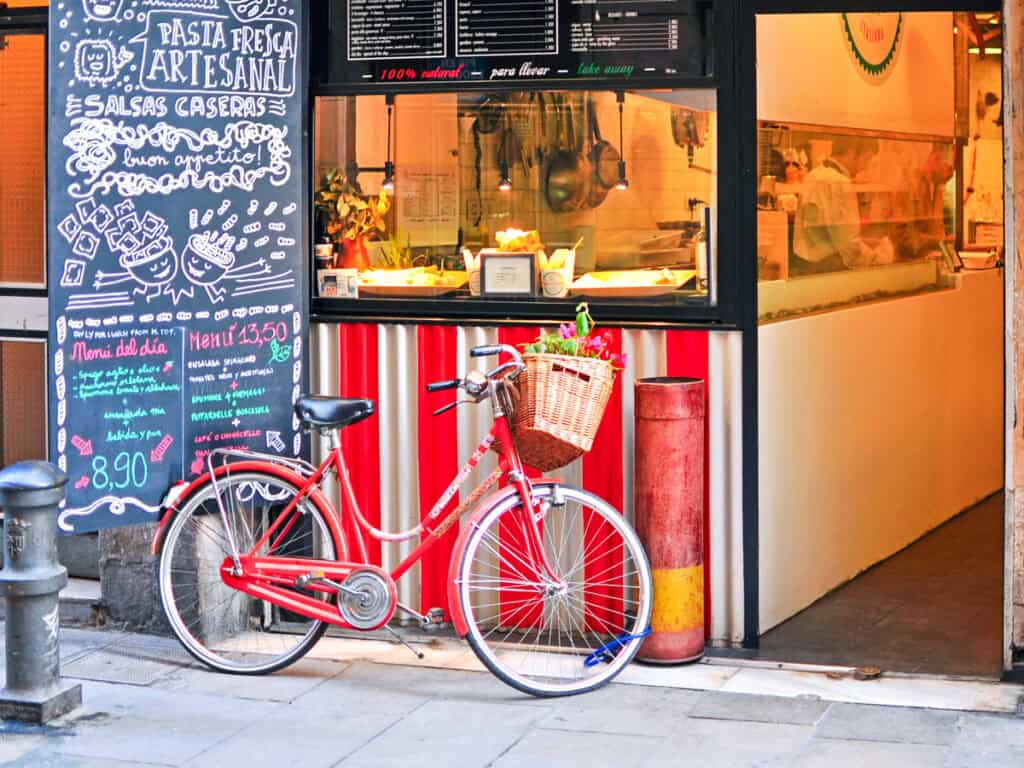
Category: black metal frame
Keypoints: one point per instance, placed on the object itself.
(26, 21)
(724, 315)
(746, 195)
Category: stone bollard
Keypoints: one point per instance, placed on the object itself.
(31, 580)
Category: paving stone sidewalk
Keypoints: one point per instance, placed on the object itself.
(147, 704)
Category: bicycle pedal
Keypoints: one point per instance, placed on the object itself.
(434, 618)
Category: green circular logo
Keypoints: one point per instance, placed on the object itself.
(873, 40)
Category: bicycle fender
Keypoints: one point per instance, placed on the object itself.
(180, 493)
(468, 526)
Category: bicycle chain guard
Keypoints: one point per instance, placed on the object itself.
(376, 599)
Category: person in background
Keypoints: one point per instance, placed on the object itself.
(827, 228)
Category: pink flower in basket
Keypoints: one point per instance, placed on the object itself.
(578, 340)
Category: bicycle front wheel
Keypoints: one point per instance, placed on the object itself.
(562, 636)
(225, 629)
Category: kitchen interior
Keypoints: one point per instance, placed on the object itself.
(522, 195)
(880, 264)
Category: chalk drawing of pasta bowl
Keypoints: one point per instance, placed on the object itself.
(153, 264)
(207, 260)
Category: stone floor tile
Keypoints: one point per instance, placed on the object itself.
(831, 753)
(626, 709)
(106, 701)
(721, 705)
(115, 668)
(364, 679)
(295, 738)
(729, 744)
(131, 738)
(47, 758)
(285, 685)
(988, 741)
(462, 733)
(900, 724)
(562, 749)
(977, 729)
(14, 744)
(988, 756)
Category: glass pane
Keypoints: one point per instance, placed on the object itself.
(23, 403)
(870, 188)
(983, 152)
(606, 191)
(22, 159)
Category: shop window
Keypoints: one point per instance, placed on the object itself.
(878, 186)
(540, 196)
(23, 158)
(23, 401)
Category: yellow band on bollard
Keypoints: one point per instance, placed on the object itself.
(678, 599)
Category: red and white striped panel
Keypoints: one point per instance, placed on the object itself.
(402, 459)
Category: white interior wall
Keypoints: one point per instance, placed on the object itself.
(876, 424)
(806, 75)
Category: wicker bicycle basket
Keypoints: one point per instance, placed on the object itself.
(561, 401)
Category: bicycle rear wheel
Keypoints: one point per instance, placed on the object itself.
(225, 629)
(550, 639)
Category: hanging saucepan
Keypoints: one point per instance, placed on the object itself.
(567, 179)
(604, 161)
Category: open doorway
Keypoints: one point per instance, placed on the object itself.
(880, 363)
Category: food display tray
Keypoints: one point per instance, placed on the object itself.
(453, 282)
(630, 283)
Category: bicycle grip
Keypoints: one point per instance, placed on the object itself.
(438, 386)
(487, 351)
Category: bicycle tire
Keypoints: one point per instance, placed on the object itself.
(609, 650)
(196, 624)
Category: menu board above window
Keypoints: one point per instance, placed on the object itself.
(423, 43)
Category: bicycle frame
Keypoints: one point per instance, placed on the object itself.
(271, 577)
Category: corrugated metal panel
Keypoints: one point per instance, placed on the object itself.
(397, 424)
(646, 351)
(399, 473)
(725, 464)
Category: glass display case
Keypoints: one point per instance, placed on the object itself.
(538, 196)
(845, 215)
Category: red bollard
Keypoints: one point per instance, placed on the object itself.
(669, 493)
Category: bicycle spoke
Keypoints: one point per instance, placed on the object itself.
(544, 641)
(228, 629)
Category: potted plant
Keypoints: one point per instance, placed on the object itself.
(349, 217)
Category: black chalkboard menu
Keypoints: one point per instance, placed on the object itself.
(427, 43)
(176, 270)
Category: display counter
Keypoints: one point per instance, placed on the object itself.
(877, 423)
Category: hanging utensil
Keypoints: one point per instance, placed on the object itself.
(567, 179)
(490, 114)
(604, 161)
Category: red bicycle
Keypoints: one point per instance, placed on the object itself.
(549, 584)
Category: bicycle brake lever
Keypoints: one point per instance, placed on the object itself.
(444, 408)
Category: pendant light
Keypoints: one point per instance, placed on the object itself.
(623, 183)
(505, 184)
(389, 167)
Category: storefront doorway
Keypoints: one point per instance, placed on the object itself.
(880, 341)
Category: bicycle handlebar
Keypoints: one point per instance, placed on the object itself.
(438, 386)
(497, 349)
